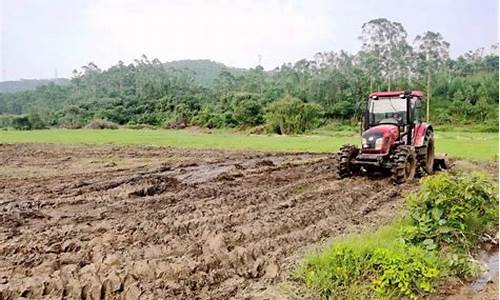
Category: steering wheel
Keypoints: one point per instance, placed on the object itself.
(397, 116)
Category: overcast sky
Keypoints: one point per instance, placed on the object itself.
(39, 36)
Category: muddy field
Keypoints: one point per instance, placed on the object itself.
(105, 222)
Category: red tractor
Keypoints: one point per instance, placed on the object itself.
(394, 139)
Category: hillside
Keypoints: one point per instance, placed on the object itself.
(204, 71)
(27, 84)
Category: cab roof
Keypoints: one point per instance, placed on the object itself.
(419, 94)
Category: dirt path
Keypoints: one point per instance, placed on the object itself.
(104, 222)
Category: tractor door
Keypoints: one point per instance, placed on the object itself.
(366, 116)
(416, 111)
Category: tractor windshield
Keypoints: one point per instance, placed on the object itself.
(387, 110)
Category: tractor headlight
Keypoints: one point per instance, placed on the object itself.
(379, 143)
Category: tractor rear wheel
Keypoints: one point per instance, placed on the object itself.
(404, 164)
(428, 163)
(344, 167)
(425, 164)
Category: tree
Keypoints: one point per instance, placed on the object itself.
(386, 42)
(432, 53)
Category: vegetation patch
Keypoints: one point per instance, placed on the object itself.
(457, 145)
(432, 243)
(101, 124)
(290, 116)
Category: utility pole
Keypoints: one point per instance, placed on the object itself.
(428, 95)
(260, 65)
(427, 111)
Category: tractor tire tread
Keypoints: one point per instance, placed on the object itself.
(401, 157)
(343, 159)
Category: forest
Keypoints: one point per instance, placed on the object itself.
(293, 98)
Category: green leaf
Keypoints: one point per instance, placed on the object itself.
(436, 213)
(429, 244)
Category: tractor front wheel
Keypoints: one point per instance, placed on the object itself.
(344, 167)
(404, 164)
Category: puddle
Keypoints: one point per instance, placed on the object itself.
(490, 260)
(207, 172)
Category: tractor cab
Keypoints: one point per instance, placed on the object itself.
(401, 109)
(392, 110)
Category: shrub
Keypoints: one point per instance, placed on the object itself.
(291, 116)
(21, 122)
(247, 110)
(452, 209)
(36, 119)
(101, 124)
(180, 118)
(140, 126)
(72, 118)
(6, 121)
(209, 117)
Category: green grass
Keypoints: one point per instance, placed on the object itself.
(429, 245)
(481, 146)
(179, 138)
(468, 145)
(364, 266)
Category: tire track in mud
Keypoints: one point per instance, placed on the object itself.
(190, 224)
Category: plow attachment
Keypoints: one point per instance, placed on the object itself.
(441, 162)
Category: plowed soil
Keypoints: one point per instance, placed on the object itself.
(105, 222)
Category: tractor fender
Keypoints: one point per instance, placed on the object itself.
(419, 133)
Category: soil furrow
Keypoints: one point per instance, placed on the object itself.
(108, 222)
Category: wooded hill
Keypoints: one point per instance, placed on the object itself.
(291, 98)
(204, 72)
(28, 84)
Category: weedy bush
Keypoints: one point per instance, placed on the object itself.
(371, 265)
(21, 122)
(141, 126)
(101, 124)
(6, 121)
(407, 259)
(452, 210)
(292, 116)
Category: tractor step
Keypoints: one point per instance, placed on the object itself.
(441, 162)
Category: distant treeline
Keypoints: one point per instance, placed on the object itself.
(289, 99)
(28, 84)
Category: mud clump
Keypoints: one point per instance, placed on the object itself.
(170, 223)
(265, 163)
(155, 186)
(224, 176)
